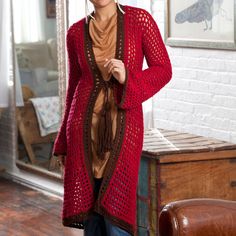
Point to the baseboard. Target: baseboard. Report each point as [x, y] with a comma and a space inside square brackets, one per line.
[25, 182]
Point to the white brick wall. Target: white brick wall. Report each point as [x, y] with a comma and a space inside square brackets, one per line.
[201, 97]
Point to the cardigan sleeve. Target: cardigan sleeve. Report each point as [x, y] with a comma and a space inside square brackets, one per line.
[140, 86]
[60, 145]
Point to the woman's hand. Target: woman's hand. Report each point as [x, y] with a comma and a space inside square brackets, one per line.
[117, 68]
[61, 162]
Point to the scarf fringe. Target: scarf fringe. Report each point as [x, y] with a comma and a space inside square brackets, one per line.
[104, 131]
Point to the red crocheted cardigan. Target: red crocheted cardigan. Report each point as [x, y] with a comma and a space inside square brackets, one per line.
[137, 36]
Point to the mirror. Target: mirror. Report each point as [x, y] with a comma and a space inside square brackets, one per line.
[39, 42]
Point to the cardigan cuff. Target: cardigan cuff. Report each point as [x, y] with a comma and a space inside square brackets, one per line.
[58, 150]
[58, 154]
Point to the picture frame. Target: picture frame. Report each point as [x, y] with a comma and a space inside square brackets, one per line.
[201, 24]
[51, 8]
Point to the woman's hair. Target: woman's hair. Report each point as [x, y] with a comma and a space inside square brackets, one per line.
[87, 13]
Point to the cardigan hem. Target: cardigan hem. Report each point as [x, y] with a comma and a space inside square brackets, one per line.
[77, 221]
[116, 221]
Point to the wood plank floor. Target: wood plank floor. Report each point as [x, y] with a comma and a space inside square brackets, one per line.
[27, 212]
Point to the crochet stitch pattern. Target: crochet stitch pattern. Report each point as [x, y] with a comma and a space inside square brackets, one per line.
[137, 36]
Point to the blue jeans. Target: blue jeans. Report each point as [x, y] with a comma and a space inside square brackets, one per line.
[97, 225]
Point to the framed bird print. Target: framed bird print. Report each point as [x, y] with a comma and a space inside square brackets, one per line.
[201, 23]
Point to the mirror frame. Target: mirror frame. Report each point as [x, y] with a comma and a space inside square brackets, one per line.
[62, 19]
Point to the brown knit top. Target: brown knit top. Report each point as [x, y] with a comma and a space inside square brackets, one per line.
[103, 34]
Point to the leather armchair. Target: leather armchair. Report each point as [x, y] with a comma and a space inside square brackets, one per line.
[198, 217]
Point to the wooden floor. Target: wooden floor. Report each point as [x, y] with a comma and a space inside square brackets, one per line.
[27, 212]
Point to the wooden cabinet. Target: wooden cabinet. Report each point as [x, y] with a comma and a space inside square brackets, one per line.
[176, 166]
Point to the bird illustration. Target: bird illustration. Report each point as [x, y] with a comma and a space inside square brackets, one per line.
[201, 11]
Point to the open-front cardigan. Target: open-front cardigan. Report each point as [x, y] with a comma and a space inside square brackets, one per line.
[137, 36]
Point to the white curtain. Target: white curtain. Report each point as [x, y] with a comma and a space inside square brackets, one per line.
[6, 58]
[4, 51]
[28, 25]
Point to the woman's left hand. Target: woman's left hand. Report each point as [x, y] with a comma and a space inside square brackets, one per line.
[117, 68]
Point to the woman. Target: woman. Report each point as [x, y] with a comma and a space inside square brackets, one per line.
[101, 136]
